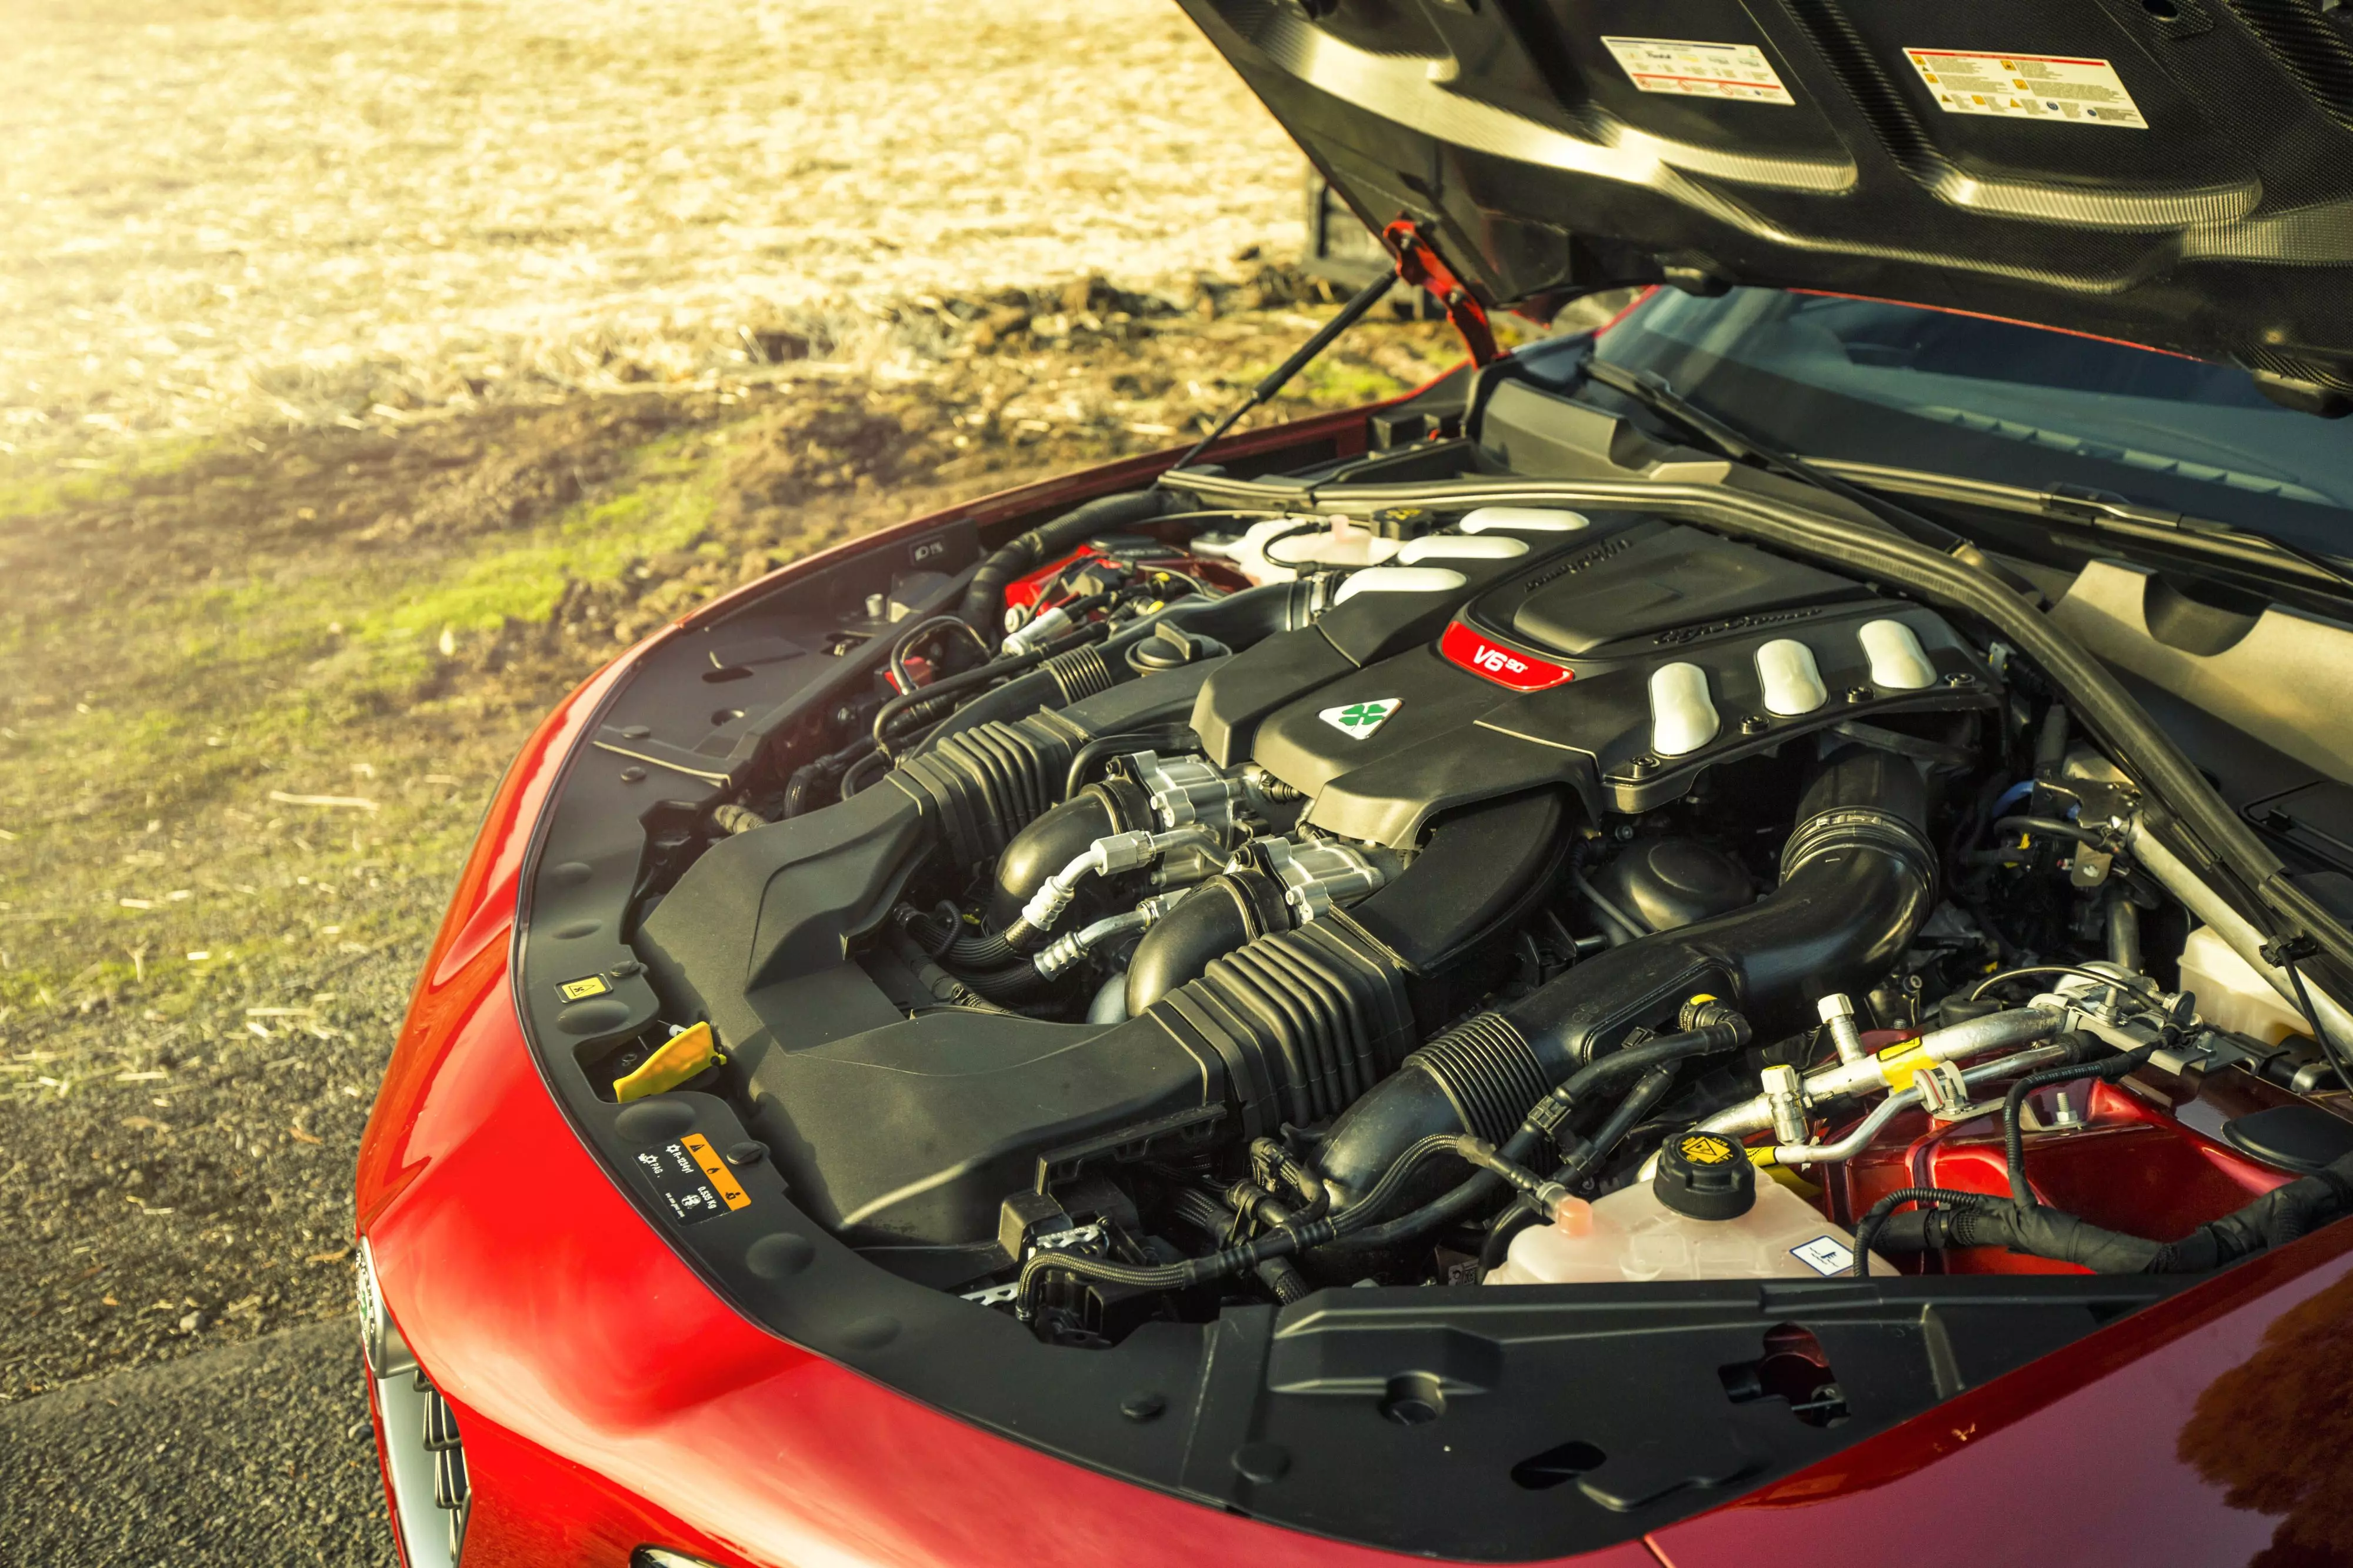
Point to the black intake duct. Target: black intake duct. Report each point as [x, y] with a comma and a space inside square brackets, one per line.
[1857, 879]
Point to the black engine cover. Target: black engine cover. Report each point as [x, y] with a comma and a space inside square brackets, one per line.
[1603, 611]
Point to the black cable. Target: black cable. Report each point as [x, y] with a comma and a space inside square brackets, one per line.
[1019, 984]
[1647, 1091]
[2045, 827]
[1517, 1215]
[2013, 1104]
[2272, 1219]
[862, 773]
[1274, 1166]
[2312, 1014]
[944, 934]
[941, 692]
[1554, 1109]
[2139, 982]
[810, 774]
[906, 641]
[1876, 1216]
[1277, 1243]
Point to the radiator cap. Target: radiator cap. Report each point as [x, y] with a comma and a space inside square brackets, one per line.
[1706, 1175]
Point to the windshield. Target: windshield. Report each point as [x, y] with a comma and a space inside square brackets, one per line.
[1865, 381]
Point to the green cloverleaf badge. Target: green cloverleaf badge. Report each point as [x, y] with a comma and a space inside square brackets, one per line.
[1360, 718]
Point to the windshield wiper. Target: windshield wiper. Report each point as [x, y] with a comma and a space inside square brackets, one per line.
[1655, 392]
[2098, 512]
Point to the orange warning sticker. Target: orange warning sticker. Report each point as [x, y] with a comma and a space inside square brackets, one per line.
[731, 1191]
[693, 1180]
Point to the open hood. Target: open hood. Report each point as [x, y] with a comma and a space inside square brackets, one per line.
[2172, 173]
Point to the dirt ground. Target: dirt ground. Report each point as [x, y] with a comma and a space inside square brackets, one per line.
[370, 375]
[263, 696]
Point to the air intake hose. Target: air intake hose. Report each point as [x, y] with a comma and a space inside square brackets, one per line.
[1857, 879]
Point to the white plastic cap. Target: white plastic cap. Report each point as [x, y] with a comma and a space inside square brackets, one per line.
[1792, 684]
[1455, 547]
[1399, 580]
[1682, 718]
[1897, 662]
[1523, 520]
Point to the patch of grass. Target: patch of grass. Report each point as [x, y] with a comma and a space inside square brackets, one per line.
[1341, 383]
[662, 504]
[143, 826]
[35, 484]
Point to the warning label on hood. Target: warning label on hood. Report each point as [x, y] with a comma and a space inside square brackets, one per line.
[2028, 87]
[1736, 72]
[693, 1180]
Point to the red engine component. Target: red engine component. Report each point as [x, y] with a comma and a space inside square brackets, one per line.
[1031, 591]
[2127, 1157]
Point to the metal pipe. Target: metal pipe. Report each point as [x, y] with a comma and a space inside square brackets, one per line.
[2150, 852]
[1859, 1138]
[1838, 1020]
[1894, 1067]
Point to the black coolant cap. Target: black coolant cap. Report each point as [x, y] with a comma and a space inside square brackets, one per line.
[1706, 1175]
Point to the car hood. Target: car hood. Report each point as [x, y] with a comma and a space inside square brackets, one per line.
[2172, 173]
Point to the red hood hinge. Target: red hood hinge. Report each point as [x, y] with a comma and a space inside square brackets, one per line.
[1420, 264]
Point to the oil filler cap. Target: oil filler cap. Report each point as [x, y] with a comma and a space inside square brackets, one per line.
[1706, 1175]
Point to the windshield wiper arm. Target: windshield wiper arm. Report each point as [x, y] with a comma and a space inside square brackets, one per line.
[1655, 392]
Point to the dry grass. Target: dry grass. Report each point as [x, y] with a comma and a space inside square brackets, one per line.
[224, 212]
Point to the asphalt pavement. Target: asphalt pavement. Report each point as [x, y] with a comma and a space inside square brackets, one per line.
[251, 1456]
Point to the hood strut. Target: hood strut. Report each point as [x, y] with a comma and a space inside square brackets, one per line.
[1418, 263]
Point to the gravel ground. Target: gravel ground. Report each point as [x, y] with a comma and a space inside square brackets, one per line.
[251, 1455]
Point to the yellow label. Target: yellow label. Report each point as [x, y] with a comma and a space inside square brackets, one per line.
[1902, 1062]
[1707, 1148]
[582, 989]
[715, 1169]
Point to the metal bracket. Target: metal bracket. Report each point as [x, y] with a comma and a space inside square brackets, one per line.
[1420, 264]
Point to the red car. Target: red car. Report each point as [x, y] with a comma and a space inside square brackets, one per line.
[1715, 943]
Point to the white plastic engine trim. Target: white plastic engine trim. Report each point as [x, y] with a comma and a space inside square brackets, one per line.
[1523, 520]
[1897, 662]
[1792, 682]
[1455, 547]
[1682, 718]
[1400, 580]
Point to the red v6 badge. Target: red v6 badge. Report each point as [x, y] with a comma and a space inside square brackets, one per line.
[1520, 671]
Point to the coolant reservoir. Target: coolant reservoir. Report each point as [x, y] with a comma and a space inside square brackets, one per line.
[2230, 994]
[1705, 1215]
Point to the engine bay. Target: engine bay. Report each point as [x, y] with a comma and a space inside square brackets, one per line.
[1131, 937]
